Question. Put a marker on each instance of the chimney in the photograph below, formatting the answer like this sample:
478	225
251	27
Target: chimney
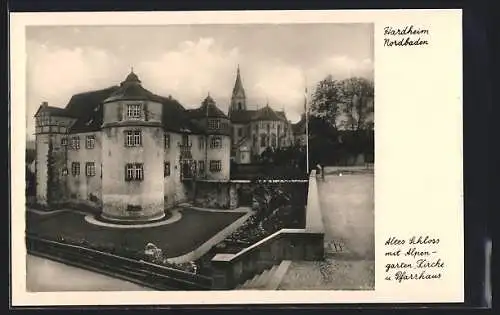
45	104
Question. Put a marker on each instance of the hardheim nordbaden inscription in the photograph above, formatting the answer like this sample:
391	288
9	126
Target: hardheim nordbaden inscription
409	35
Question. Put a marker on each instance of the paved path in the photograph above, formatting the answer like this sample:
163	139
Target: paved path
44	275
347	204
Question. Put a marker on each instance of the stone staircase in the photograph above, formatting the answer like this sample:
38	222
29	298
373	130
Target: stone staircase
269	279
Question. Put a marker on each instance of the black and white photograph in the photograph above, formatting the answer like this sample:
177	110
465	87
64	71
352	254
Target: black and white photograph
200	157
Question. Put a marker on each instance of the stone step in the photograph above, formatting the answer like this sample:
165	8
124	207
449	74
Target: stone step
269	279
261	281
247	283
277	276
258	280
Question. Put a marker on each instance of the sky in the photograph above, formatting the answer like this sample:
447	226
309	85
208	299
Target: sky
277	61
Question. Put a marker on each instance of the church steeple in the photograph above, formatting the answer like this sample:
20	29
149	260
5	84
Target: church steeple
238	98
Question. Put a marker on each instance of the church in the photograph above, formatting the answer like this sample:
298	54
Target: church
133	153
255	130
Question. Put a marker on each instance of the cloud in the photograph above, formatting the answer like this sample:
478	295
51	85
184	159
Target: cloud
55	74
188	72
192	71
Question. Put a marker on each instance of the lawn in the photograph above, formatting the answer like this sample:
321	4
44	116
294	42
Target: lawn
178	238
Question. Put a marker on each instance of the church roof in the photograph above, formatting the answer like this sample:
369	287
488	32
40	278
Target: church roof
241	116
281	114
266	113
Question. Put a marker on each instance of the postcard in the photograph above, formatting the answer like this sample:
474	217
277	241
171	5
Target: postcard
237	157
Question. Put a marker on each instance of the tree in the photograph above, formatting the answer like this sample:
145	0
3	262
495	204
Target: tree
326	100
356	96
341	120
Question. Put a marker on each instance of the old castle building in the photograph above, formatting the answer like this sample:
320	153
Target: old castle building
133	153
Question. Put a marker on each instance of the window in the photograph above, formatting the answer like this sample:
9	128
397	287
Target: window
64	141
185	140
273	140
240	132
75	168
239	106
201	166
90	169
262	140
215	166
134	111
214	124
216	143
201	142
75	143
134	172
133	138
166	141
90	143
166	169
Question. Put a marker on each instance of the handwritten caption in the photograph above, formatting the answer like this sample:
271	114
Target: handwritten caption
409	35
416	258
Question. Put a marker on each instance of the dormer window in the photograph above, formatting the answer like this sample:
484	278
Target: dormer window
134	111
214	124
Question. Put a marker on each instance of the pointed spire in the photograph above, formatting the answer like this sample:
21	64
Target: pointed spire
238	89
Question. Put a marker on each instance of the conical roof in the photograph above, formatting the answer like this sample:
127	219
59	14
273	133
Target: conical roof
208	108
130	89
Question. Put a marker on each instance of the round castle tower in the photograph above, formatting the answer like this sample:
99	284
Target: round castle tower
132	154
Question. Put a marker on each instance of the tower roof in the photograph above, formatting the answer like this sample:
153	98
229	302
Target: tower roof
130	89
238	85
208	108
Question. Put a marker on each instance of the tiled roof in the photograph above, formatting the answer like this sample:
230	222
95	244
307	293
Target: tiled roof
281	114
175	117
266	113
208	108
130	89
241	116
87	108
55	111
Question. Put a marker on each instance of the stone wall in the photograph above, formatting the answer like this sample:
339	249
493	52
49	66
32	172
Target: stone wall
42	149
214	195
83	188
230	270
133	199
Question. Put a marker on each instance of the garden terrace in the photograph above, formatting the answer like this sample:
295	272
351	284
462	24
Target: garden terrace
279	206
175	239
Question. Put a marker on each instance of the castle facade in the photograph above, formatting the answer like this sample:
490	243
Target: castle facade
134	154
